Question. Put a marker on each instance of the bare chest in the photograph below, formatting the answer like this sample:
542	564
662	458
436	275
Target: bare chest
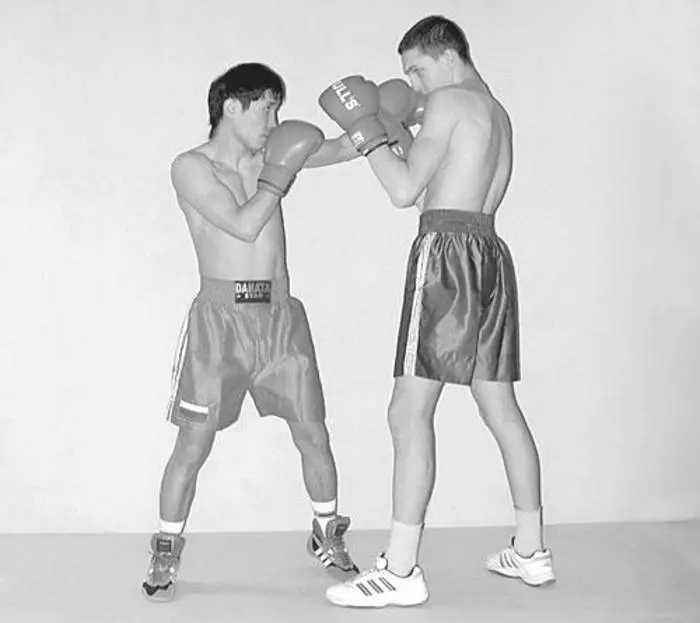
242	183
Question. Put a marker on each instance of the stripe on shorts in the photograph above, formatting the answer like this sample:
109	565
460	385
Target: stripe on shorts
194	408
178	362
409	361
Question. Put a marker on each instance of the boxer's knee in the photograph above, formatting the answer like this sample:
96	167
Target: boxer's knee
497	404
192	448
310	438
401	416
412	408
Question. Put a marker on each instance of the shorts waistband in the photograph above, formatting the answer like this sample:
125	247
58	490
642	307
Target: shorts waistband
450	220
243	293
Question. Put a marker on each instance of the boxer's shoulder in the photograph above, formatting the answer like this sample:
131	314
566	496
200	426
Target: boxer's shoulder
459	97
194	172
442	107
470	106
191	162
198	162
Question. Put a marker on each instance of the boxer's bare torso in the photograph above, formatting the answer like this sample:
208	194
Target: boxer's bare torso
476	166
224	256
461	158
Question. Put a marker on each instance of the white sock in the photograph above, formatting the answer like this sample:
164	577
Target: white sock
528	533
402	553
172	527
324	512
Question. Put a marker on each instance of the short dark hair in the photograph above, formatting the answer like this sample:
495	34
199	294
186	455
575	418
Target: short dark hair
435	34
246	82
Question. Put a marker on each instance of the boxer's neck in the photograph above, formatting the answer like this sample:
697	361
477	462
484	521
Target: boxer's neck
465	74
226	148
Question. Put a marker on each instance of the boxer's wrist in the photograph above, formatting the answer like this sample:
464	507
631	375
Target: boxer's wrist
371	149
277	176
276	179
367	134
266	187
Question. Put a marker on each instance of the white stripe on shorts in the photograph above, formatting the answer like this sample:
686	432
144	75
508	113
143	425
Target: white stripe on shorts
178	362
409	361
192	407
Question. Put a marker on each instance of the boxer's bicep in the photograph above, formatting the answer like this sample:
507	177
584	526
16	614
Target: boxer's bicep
431	143
405	181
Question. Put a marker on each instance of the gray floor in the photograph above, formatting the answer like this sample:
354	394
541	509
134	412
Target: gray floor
609	572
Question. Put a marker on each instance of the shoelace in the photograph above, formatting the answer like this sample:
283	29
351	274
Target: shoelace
339	548
162	564
336	544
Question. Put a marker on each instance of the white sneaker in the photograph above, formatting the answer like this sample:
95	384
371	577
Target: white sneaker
535	570
379	587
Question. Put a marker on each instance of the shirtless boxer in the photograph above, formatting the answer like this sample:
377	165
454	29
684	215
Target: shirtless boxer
244	331
459	321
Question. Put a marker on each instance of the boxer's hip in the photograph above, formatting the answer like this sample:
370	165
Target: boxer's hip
449	220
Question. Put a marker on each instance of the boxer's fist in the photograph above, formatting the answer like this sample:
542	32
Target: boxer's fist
288	147
401	102
353	103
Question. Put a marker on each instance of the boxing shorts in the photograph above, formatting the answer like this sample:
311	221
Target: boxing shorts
459	319
244	336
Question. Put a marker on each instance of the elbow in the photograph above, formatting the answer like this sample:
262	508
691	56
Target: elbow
248	236
403	199
245	235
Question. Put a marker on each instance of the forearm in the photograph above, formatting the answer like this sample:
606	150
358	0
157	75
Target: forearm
332	151
249	219
395	176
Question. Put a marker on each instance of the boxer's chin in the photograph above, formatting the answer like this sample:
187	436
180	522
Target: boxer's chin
262	143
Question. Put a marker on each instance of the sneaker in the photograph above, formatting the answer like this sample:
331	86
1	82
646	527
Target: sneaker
166	550
535	570
330	548
379	587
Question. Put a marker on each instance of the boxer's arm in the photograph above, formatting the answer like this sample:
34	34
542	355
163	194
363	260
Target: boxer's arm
333	151
420	201
195	182
405	180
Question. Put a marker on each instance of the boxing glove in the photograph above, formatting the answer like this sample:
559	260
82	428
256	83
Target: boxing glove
399	138
288	147
401	102
353	103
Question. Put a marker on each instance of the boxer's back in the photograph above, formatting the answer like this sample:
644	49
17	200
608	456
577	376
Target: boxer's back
476	168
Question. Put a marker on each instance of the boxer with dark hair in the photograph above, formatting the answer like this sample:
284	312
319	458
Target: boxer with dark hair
245	332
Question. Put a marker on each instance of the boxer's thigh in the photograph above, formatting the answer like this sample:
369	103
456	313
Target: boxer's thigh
287	383
498	349
442	310
214	370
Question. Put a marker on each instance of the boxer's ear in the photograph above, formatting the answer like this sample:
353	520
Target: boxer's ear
451	56
233	107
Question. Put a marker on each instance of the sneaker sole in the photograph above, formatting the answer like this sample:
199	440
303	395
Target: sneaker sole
159	597
515	574
367	606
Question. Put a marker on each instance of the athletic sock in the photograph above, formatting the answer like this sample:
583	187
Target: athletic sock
402	553
324	512
172	527
528	533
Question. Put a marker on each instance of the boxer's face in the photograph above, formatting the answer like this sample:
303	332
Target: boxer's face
425	72
255	124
